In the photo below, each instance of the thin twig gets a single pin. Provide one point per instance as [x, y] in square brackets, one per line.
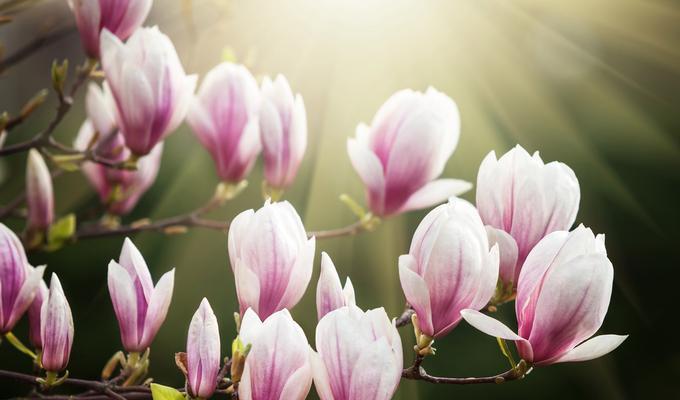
[107, 389]
[32, 47]
[352, 229]
[418, 373]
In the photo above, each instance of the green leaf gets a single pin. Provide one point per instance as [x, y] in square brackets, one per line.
[160, 392]
[60, 232]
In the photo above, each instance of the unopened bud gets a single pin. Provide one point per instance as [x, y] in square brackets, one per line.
[35, 102]
[59, 74]
[39, 193]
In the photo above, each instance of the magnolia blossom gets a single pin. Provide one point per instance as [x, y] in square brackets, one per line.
[39, 192]
[271, 258]
[224, 117]
[449, 267]
[330, 294]
[139, 306]
[19, 282]
[121, 17]
[119, 190]
[563, 294]
[56, 328]
[203, 352]
[151, 90]
[405, 149]
[283, 129]
[278, 365]
[520, 195]
[359, 355]
[34, 317]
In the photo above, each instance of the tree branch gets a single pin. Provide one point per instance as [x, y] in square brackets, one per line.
[107, 390]
[352, 229]
[418, 373]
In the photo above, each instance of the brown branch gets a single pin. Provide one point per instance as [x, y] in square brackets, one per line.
[163, 225]
[43, 138]
[418, 373]
[178, 224]
[32, 47]
[106, 390]
[352, 229]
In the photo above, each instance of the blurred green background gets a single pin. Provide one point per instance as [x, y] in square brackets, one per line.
[591, 83]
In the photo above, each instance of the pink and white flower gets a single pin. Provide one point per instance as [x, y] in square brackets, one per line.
[563, 294]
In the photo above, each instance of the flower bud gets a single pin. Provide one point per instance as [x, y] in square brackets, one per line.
[151, 90]
[405, 149]
[203, 352]
[271, 258]
[56, 328]
[39, 194]
[283, 130]
[119, 17]
[527, 199]
[563, 294]
[359, 355]
[34, 311]
[330, 295]
[448, 268]
[139, 306]
[19, 282]
[277, 366]
[224, 118]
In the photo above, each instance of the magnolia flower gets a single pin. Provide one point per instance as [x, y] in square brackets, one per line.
[19, 281]
[520, 195]
[359, 355]
[56, 328]
[277, 366]
[406, 147]
[283, 129]
[34, 318]
[330, 294]
[449, 267]
[119, 17]
[271, 258]
[224, 117]
[119, 190]
[151, 90]
[139, 306]
[203, 352]
[39, 193]
[563, 294]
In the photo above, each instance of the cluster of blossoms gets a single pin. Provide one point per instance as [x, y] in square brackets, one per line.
[515, 244]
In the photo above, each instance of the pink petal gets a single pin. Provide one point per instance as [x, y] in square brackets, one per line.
[329, 293]
[368, 166]
[592, 348]
[375, 375]
[416, 292]
[158, 307]
[203, 351]
[298, 385]
[26, 294]
[437, 191]
[323, 388]
[124, 301]
[488, 325]
[572, 305]
[508, 269]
